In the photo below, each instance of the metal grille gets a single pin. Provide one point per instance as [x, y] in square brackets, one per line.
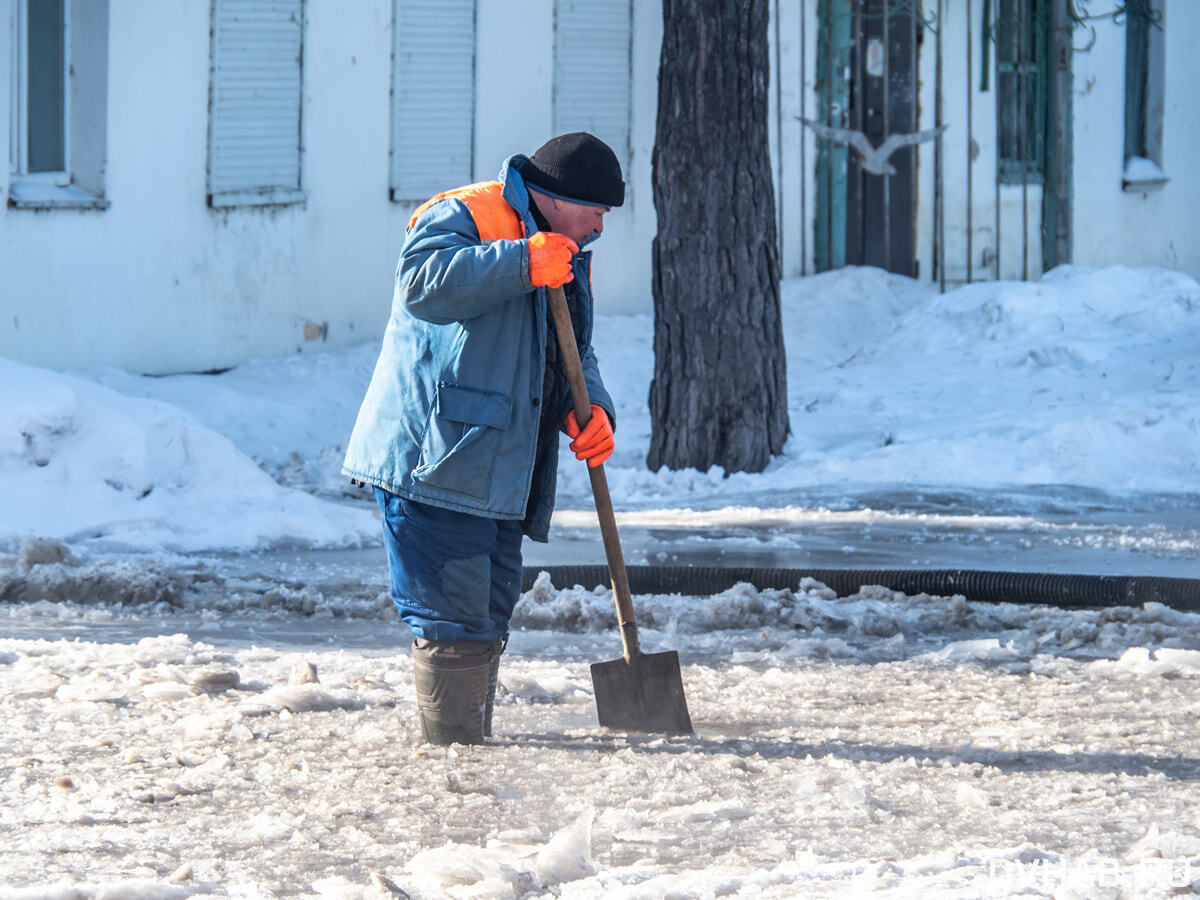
[1020, 34]
[433, 117]
[254, 131]
[592, 84]
[1013, 218]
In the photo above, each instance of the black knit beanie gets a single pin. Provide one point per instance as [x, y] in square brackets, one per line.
[577, 166]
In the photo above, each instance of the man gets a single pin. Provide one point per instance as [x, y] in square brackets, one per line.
[458, 433]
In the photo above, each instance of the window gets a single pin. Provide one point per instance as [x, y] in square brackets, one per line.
[1143, 93]
[1022, 33]
[433, 97]
[59, 112]
[44, 37]
[254, 151]
[592, 71]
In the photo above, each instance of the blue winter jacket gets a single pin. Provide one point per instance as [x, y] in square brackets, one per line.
[451, 415]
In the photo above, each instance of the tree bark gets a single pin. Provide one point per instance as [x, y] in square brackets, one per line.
[719, 395]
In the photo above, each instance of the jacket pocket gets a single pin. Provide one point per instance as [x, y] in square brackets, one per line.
[460, 445]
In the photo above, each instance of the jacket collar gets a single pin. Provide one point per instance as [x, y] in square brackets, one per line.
[513, 188]
[516, 195]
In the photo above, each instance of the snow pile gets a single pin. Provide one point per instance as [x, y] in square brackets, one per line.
[291, 415]
[874, 624]
[80, 462]
[807, 621]
[103, 583]
[743, 606]
[1088, 379]
[1085, 377]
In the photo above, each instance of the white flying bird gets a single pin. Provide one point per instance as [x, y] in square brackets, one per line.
[874, 159]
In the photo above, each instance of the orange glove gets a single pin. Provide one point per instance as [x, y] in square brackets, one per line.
[595, 441]
[550, 259]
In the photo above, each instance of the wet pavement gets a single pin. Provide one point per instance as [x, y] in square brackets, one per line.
[1056, 530]
[256, 596]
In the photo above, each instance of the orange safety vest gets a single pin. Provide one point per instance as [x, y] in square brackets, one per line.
[494, 218]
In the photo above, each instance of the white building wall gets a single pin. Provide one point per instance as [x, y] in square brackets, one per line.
[1008, 246]
[515, 115]
[515, 63]
[800, 254]
[158, 282]
[1156, 227]
[1109, 225]
[786, 132]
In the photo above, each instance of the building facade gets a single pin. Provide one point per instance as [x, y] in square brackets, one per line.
[192, 183]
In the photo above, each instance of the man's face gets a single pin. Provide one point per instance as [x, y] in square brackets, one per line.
[575, 220]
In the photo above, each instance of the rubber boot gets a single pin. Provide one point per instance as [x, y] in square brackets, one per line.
[493, 680]
[451, 680]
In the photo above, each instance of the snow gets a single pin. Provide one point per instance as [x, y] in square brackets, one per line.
[1089, 378]
[1086, 378]
[82, 463]
[828, 760]
[206, 692]
[1140, 171]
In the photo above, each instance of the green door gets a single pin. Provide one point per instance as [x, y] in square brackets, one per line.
[867, 85]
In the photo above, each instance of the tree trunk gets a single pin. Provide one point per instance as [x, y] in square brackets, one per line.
[719, 395]
[1059, 180]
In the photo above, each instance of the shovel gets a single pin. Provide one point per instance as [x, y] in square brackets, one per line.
[640, 691]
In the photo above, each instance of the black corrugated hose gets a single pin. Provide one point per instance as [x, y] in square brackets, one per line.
[1068, 591]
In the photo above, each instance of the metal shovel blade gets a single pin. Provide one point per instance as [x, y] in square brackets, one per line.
[639, 691]
[644, 693]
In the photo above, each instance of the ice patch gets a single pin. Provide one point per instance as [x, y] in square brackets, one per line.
[302, 698]
[135, 889]
[1161, 661]
[457, 871]
[568, 855]
[107, 583]
[553, 685]
[981, 650]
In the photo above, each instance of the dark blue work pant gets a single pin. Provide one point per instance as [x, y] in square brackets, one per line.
[454, 576]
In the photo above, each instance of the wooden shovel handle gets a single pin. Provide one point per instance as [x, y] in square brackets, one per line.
[604, 508]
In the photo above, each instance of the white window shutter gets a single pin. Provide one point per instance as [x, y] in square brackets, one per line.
[433, 97]
[254, 127]
[592, 69]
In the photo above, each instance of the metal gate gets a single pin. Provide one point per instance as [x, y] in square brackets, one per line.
[869, 128]
[866, 181]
